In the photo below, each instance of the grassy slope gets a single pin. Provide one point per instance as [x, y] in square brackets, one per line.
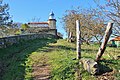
[58, 55]
[13, 59]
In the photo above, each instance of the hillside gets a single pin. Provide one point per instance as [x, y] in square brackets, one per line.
[45, 59]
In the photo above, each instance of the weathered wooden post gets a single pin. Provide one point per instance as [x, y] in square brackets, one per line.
[78, 49]
[105, 40]
[78, 34]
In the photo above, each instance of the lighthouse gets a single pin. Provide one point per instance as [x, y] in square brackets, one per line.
[52, 21]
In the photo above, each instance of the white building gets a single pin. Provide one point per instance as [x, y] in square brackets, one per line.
[48, 27]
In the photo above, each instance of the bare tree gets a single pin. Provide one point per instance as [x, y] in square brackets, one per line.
[92, 25]
[35, 19]
[111, 9]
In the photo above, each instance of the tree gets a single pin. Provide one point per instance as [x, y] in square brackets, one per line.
[4, 14]
[35, 19]
[69, 21]
[92, 25]
[24, 26]
[111, 9]
[4, 18]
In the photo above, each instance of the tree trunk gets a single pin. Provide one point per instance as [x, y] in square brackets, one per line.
[70, 36]
[105, 40]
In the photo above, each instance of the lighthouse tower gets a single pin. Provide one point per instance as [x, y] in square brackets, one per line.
[52, 21]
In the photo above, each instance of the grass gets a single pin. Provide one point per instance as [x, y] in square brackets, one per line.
[19, 60]
[14, 59]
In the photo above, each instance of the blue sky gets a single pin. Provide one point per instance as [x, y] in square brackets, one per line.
[25, 10]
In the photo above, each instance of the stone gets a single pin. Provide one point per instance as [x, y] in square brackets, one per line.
[90, 65]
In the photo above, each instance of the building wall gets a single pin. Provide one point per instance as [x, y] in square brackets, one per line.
[53, 32]
[42, 31]
[43, 27]
[52, 23]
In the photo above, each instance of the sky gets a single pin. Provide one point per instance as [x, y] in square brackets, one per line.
[24, 11]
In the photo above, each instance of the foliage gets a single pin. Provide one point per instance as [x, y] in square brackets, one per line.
[24, 26]
[4, 14]
[4, 19]
[18, 32]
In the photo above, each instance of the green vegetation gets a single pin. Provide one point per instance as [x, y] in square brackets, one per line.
[4, 14]
[20, 61]
[24, 26]
[18, 32]
[13, 59]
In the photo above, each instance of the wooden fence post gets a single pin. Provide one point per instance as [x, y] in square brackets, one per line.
[78, 34]
[78, 49]
[105, 40]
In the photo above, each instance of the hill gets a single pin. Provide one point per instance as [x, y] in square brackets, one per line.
[45, 59]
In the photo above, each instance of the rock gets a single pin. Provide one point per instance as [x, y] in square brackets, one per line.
[90, 65]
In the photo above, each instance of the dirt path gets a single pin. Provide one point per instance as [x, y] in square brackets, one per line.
[41, 70]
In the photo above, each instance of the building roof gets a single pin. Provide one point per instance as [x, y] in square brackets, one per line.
[116, 38]
[38, 23]
[51, 15]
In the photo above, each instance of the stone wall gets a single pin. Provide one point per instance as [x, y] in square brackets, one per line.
[52, 31]
[7, 41]
[42, 30]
